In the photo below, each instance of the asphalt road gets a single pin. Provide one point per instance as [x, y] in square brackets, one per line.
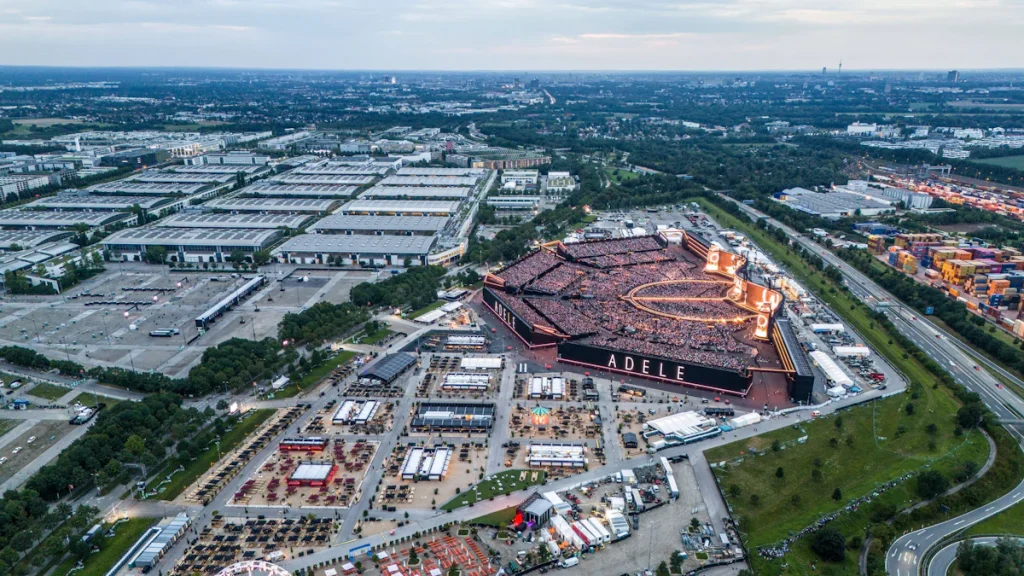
[943, 559]
[904, 555]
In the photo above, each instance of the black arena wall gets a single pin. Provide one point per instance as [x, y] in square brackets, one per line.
[728, 381]
[522, 328]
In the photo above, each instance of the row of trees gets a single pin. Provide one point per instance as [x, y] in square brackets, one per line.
[416, 287]
[320, 322]
[1006, 558]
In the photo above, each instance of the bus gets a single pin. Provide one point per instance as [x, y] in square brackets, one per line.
[164, 333]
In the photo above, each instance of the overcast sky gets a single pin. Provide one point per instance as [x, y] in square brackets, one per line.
[515, 34]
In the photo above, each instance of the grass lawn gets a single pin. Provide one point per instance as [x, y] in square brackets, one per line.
[8, 425]
[125, 535]
[1009, 521]
[202, 464]
[417, 313]
[499, 519]
[48, 391]
[509, 480]
[373, 337]
[44, 122]
[316, 375]
[621, 175]
[86, 399]
[1016, 162]
[877, 455]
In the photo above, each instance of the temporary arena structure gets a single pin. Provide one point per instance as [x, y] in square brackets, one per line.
[481, 363]
[639, 306]
[313, 474]
[355, 412]
[426, 463]
[466, 381]
[547, 388]
[832, 370]
[682, 427]
[557, 455]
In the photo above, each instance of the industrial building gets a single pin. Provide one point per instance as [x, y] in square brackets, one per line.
[514, 202]
[429, 181]
[380, 225]
[831, 205]
[557, 455]
[273, 190]
[464, 381]
[338, 169]
[233, 158]
[356, 249]
[426, 463]
[329, 179]
[64, 219]
[560, 183]
[210, 316]
[188, 244]
[418, 192]
[430, 171]
[273, 205]
[151, 204]
[249, 171]
[389, 368]
[452, 418]
[28, 239]
[313, 474]
[160, 177]
[400, 207]
[355, 412]
[19, 184]
[147, 188]
[251, 221]
[520, 177]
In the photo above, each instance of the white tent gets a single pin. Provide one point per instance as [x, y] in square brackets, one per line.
[832, 370]
[846, 351]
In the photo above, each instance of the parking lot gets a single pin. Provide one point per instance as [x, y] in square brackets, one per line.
[29, 441]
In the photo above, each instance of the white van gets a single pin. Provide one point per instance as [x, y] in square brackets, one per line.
[569, 562]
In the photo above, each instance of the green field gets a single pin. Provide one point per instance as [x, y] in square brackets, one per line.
[1016, 162]
[618, 175]
[855, 474]
[420, 312]
[111, 549]
[488, 487]
[48, 391]
[1009, 521]
[499, 519]
[316, 375]
[372, 338]
[8, 425]
[206, 460]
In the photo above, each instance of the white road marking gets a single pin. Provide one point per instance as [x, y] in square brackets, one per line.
[989, 509]
[929, 537]
[958, 523]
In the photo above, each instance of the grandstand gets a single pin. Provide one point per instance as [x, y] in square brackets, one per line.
[640, 306]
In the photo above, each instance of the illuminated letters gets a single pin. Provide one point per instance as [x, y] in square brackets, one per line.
[611, 361]
[628, 364]
[644, 366]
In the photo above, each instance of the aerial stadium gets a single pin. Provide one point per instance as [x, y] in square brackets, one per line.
[646, 307]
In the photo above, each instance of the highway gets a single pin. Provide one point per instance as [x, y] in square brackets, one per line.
[904, 555]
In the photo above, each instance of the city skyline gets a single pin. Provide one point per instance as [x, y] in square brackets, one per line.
[598, 35]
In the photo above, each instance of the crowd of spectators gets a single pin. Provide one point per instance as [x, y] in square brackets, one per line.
[626, 259]
[519, 273]
[523, 310]
[603, 247]
[558, 279]
[564, 316]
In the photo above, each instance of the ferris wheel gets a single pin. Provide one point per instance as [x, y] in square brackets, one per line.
[250, 567]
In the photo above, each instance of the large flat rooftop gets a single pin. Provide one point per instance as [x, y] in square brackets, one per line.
[60, 219]
[430, 171]
[343, 223]
[358, 244]
[424, 192]
[367, 206]
[207, 220]
[181, 178]
[158, 236]
[336, 179]
[271, 205]
[274, 190]
[147, 188]
[429, 181]
[92, 202]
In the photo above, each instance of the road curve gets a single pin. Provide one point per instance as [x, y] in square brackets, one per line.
[903, 557]
[944, 558]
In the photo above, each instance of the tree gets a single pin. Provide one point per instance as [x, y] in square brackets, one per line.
[780, 473]
[155, 255]
[755, 499]
[909, 408]
[969, 415]
[222, 404]
[694, 523]
[829, 544]
[413, 557]
[260, 257]
[662, 569]
[837, 494]
[839, 422]
[776, 445]
[816, 475]
[931, 483]
[134, 446]
[735, 490]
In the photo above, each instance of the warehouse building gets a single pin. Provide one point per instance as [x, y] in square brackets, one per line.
[233, 158]
[356, 249]
[188, 244]
[273, 205]
[161, 177]
[338, 169]
[831, 205]
[329, 179]
[557, 455]
[252, 221]
[147, 188]
[429, 181]
[418, 192]
[520, 177]
[250, 172]
[15, 240]
[426, 463]
[64, 219]
[514, 202]
[452, 418]
[429, 171]
[150, 204]
[400, 207]
[275, 190]
[380, 225]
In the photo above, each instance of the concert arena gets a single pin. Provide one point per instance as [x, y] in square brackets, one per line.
[643, 306]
